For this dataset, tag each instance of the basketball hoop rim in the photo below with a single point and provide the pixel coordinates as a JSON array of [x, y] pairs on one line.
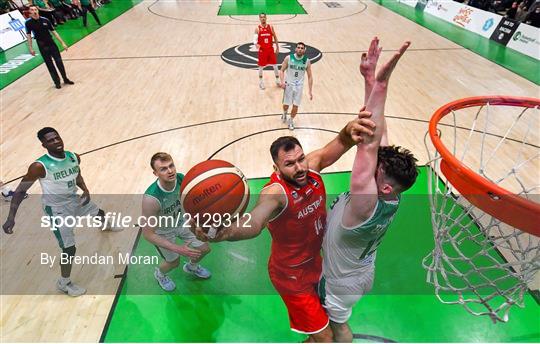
[[469, 175]]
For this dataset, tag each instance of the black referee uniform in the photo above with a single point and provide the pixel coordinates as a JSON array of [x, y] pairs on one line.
[[42, 28]]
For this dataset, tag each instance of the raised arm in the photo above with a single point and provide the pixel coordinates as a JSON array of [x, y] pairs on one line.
[[350, 135], [150, 209], [364, 193], [368, 64], [35, 171]]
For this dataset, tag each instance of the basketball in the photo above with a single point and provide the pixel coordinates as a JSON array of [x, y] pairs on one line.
[[214, 187]]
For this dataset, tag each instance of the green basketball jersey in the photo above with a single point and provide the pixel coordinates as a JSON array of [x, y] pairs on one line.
[[170, 212], [39, 3], [55, 3], [59, 186], [351, 251], [296, 70]]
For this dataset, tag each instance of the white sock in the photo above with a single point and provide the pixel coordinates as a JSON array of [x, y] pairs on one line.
[[159, 272], [193, 266], [64, 281]]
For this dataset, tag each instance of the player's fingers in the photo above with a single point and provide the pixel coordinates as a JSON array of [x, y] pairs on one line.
[[366, 122], [373, 45], [364, 114], [404, 47], [363, 108], [362, 130]]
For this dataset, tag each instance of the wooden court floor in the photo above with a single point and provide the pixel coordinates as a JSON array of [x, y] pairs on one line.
[[153, 80]]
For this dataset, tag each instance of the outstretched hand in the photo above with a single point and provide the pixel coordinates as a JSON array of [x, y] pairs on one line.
[[368, 61], [386, 70]]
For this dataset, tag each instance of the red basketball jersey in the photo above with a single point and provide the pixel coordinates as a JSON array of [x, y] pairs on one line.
[[265, 37], [298, 231]]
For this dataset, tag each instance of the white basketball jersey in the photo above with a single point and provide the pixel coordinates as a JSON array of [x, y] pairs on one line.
[[59, 186], [349, 252]]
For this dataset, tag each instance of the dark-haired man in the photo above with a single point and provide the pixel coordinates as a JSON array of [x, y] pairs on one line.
[[264, 39], [293, 206], [358, 219], [293, 70], [42, 28], [161, 200], [59, 174]]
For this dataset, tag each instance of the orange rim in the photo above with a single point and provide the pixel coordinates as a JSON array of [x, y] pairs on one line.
[[492, 199]]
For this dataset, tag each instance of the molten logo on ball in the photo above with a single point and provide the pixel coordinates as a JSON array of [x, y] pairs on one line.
[[207, 192]]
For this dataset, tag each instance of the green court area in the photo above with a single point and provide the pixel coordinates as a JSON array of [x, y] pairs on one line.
[[239, 304], [71, 32], [254, 7]]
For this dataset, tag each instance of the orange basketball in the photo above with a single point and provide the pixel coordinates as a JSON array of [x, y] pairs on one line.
[[214, 187]]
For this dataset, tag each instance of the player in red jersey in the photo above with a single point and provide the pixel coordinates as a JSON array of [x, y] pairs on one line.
[[293, 206], [264, 40]]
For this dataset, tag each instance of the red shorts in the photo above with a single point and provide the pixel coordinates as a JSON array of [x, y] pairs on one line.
[[298, 289], [306, 314], [267, 57]]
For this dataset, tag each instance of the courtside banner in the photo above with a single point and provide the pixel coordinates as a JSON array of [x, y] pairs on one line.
[[476, 20], [11, 29], [526, 40], [504, 31], [411, 3], [443, 9], [467, 17]]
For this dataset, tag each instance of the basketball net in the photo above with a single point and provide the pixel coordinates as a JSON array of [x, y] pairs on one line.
[[485, 257]]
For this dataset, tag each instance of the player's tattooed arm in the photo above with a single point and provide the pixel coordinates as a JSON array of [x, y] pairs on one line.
[[85, 197], [354, 132], [35, 171]]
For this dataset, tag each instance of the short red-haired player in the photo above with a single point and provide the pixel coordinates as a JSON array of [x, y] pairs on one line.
[[264, 40], [293, 206]]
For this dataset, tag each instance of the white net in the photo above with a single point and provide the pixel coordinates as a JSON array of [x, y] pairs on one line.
[[478, 261]]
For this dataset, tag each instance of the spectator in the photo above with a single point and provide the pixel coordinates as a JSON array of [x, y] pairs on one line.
[[534, 18], [88, 6], [521, 12], [46, 11], [511, 13]]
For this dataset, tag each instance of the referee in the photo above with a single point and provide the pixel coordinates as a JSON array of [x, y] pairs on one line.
[[42, 28]]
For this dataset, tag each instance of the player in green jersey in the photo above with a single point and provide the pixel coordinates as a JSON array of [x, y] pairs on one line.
[[293, 70], [358, 220], [164, 222], [59, 174]]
